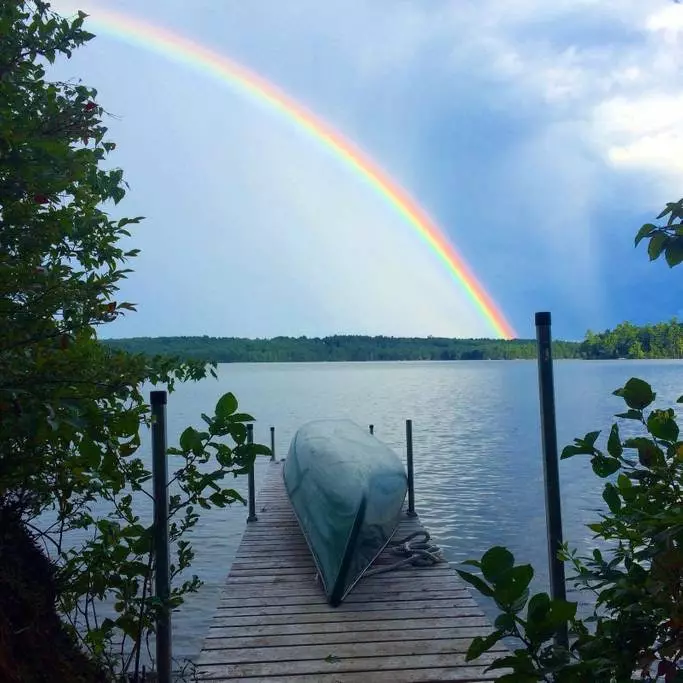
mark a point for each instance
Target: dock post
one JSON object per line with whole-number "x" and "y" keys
{"x": 250, "y": 478}
{"x": 551, "y": 473}
{"x": 411, "y": 478}
{"x": 372, "y": 429}
{"x": 162, "y": 579}
{"x": 272, "y": 444}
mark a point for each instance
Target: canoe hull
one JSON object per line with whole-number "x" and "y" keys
{"x": 347, "y": 489}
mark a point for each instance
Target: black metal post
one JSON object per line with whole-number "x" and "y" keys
{"x": 553, "y": 506}
{"x": 272, "y": 443}
{"x": 162, "y": 580}
{"x": 411, "y": 478}
{"x": 250, "y": 478}
{"x": 372, "y": 429}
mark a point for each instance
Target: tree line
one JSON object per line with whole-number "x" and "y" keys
{"x": 626, "y": 340}
{"x": 662, "y": 340}
{"x": 337, "y": 348}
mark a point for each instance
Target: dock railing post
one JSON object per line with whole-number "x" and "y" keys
{"x": 372, "y": 429}
{"x": 409, "y": 462}
{"x": 553, "y": 506}
{"x": 162, "y": 580}
{"x": 250, "y": 478}
{"x": 272, "y": 444}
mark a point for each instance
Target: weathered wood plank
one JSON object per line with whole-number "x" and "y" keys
{"x": 363, "y": 588}
{"x": 377, "y": 606}
{"x": 372, "y": 583}
{"x": 359, "y": 594}
{"x": 460, "y": 674}
{"x": 473, "y": 622}
{"x": 228, "y": 619}
{"x": 319, "y": 599}
{"x": 396, "y": 664}
{"x": 393, "y": 648}
{"x": 279, "y": 639}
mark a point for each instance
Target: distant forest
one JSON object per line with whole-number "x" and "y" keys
{"x": 338, "y": 348}
{"x": 663, "y": 340}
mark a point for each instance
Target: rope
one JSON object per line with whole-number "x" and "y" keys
{"x": 415, "y": 553}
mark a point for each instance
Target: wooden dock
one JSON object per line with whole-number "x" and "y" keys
{"x": 273, "y": 623}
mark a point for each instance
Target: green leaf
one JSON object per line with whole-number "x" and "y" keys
{"x": 673, "y": 252}
{"x": 645, "y": 231}
{"x": 666, "y": 210}
{"x": 623, "y": 482}
{"x": 604, "y": 466}
{"x": 657, "y": 243}
{"x": 631, "y": 415}
{"x": 480, "y": 645}
{"x": 591, "y": 438}
{"x": 561, "y": 611}
{"x": 611, "y": 496}
{"x": 496, "y": 562}
{"x": 649, "y": 453}
{"x": 226, "y": 406}
{"x": 478, "y": 583}
{"x": 259, "y": 449}
{"x": 241, "y": 417}
{"x": 614, "y": 447}
{"x": 662, "y": 425}
{"x": 512, "y": 587}
{"x": 505, "y": 622}
{"x": 539, "y": 605}
{"x": 217, "y": 499}
{"x": 188, "y": 439}
{"x": 636, "y": 393}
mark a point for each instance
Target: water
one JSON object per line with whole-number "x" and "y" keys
{"x": 478, "y": 468}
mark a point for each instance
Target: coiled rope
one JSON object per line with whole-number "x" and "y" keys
{"x": 416, "y": 553}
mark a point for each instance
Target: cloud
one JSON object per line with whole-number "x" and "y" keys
{"x": 518, "y": 125}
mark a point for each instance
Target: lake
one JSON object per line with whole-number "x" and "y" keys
{"x": 476, "y": 431}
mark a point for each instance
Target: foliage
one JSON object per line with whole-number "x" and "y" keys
{"x": 118, "y": 561}
{"x": 665, "y": 239}
{"x": 339, "y": 348}
{"x": 637, "y": 580}
{"x": 71, "y": 408}
{"x": 626, "y": 340}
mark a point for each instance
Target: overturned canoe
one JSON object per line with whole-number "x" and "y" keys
{"x": 347, "y": 490}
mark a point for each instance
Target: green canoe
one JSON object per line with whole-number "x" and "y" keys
{"x": 347, "y": 490}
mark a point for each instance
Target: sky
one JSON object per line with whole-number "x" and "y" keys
{"x": 538, "y": 135}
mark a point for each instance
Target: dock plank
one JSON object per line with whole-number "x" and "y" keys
{"x": 272, "y": 621}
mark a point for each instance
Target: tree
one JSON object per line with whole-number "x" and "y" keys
{"x": 71, "y": 409}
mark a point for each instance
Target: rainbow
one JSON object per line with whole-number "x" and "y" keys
{"x": 183, "y": 50}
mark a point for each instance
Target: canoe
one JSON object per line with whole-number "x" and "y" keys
{"x": 347, "y": 490}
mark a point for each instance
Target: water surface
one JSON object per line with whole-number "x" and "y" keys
{"x": 476, "y": 429}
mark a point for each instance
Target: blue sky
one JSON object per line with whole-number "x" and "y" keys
{"x": 539, "y": 135}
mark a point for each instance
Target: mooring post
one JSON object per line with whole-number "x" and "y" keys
{"x": 553, "y": 506}
{"x": 372, "y": 429}
{"x": 162, "y": 579}
{"x": 250, "y": 478}
{"x": 272, "y": 444}
{"x": 411, "y": 478}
